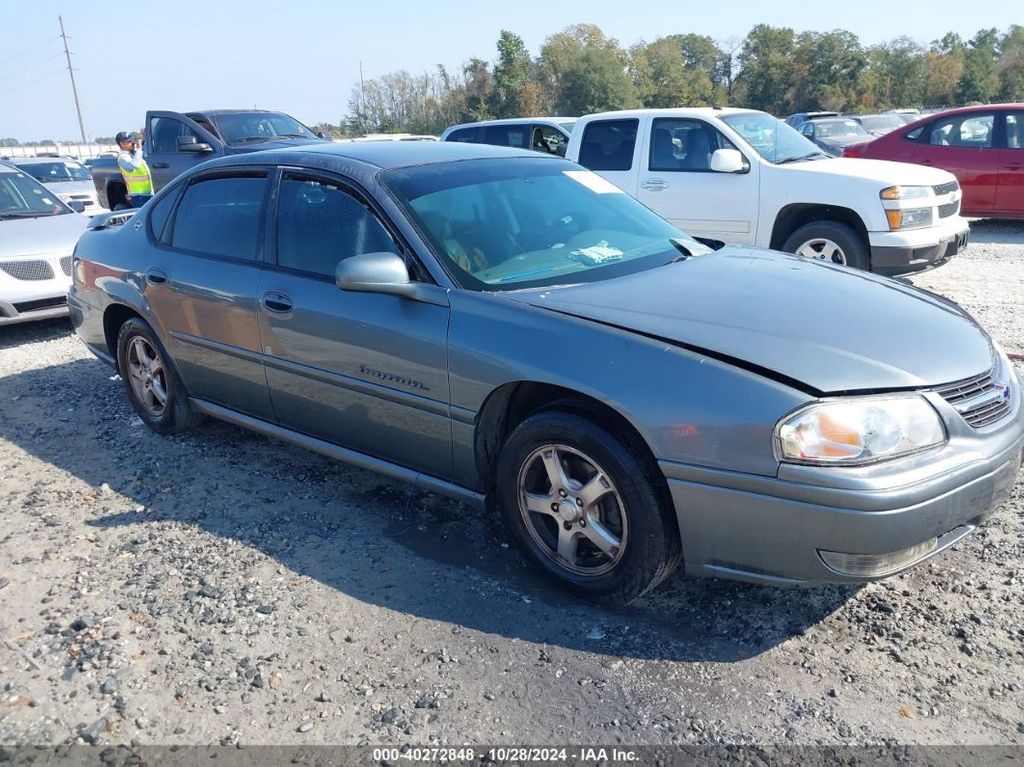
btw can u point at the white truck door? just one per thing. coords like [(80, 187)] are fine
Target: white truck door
[(676, 181), (609, 147)]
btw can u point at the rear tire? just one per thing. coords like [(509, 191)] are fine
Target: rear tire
[(830, 241), (154, 388), (587, 507)]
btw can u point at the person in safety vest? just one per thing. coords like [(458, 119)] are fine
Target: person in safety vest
[(133, 167)]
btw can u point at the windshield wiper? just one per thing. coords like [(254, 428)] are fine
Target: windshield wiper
[(25, 214), (810, 156), (247, 139), (291, 135)]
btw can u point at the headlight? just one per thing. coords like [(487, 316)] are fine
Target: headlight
[(909, 218), (859, 430), (905, 192)]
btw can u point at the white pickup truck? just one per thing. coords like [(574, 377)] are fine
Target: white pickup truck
[(742, 176)]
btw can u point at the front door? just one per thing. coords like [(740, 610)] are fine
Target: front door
[(202, 286), (162, 150), (367, 371), (1010, 189), (676, 181), (964, 145)]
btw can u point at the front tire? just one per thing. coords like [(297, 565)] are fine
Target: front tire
[(154, 388), (829, 241), (589, 509)]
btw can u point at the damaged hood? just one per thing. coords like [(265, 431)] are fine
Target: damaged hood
[(828, 327)]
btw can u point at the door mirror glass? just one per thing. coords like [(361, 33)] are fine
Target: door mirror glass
[(383, 272), (192, 144), (77, 205), (728, 161)]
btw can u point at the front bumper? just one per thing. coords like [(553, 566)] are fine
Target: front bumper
[(771, 530), (915, 250)]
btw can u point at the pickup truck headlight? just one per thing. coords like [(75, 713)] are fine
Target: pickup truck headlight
[(859, 430), (905, 192)]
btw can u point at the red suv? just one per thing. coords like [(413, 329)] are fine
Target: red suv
[(983, 146)]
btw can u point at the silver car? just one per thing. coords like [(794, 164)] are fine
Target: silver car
[(38, 232), (66, 178), (514, 331)]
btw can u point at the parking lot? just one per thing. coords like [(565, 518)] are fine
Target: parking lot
[(221, 587)]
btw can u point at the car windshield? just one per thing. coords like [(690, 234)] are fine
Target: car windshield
[(838, 129), (775, 141), (567, 125), (519, 223), (21, 196), (884, 123), (59, 170), (253, 127)]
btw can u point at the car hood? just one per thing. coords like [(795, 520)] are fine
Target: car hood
[(884, 172), (47, 234), (71, 187), (830, 328)]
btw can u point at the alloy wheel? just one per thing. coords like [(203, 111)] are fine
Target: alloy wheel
[(147, 376), (572, 510), (823, 249)]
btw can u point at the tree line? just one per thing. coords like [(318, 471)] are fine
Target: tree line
[(581, 70)]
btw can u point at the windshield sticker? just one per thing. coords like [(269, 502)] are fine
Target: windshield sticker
[(593, 182), (47, 201)]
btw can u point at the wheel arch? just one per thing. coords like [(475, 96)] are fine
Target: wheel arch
[(796, 215), (114, 317), (512, 403)]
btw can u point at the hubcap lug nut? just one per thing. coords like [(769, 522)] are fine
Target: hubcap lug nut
[(554, 507), (567, 525), (562, 493), (583, 522)]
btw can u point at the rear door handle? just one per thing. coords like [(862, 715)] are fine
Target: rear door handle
[(277, 302), (1014, 166), (160, 165), (654, 184), (156, 276)]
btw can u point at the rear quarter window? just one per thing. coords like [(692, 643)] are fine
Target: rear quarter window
[(608, 144), (464, 135)]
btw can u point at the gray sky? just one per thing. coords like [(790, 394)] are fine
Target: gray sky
[(303, 58)]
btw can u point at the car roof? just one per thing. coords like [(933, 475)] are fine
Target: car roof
[(672, 111), (382, 154), (976, 108), (39, 160), (515, 121)]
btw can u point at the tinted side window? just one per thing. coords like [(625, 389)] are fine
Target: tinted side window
[(159, 212), (467, 135), (970, 130), (319, 224), (608, 144), (683, 144), (163, 135), (547, 139), (1015, 130), (506, 135), (221, 216)]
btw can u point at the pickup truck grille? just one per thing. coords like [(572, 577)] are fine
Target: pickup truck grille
[(949, 209), (942, 189), (28, 270), (65, 265), (980, 400)]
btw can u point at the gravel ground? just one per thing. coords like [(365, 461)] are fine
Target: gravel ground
[(220, 588)]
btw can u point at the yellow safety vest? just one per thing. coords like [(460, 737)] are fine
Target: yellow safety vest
[(138, 181)]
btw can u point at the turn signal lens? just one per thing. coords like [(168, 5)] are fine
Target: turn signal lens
[(895, 218), (861, 430)]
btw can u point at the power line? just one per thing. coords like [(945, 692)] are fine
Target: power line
[(28, 51), (32, 82), (20, 72)]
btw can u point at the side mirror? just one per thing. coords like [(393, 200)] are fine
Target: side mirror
[(375, 273), (76, 205), (321, 134), (192, 144), (728, 161)]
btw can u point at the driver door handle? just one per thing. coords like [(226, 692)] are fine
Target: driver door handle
[(277, 302), (654, 184), (156, 276), (160, 165)]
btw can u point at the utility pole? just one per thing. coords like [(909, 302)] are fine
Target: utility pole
[(71, 71)]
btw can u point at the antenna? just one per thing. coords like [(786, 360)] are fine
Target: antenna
[(71, 71), (362, 99)]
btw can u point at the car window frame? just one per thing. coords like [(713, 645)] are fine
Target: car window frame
[(173, 189), (261, 226), (997, 135), (417, 271), (1003, 132), (706, 126)]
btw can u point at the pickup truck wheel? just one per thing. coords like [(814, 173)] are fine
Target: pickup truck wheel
[(153, 386), (586, 508), (829, 241)]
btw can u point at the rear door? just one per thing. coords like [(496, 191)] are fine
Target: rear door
[(364, 370), (964, 144), (1010, 189), (676, 181), (201, 284), (610, 149), (162, 150)]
